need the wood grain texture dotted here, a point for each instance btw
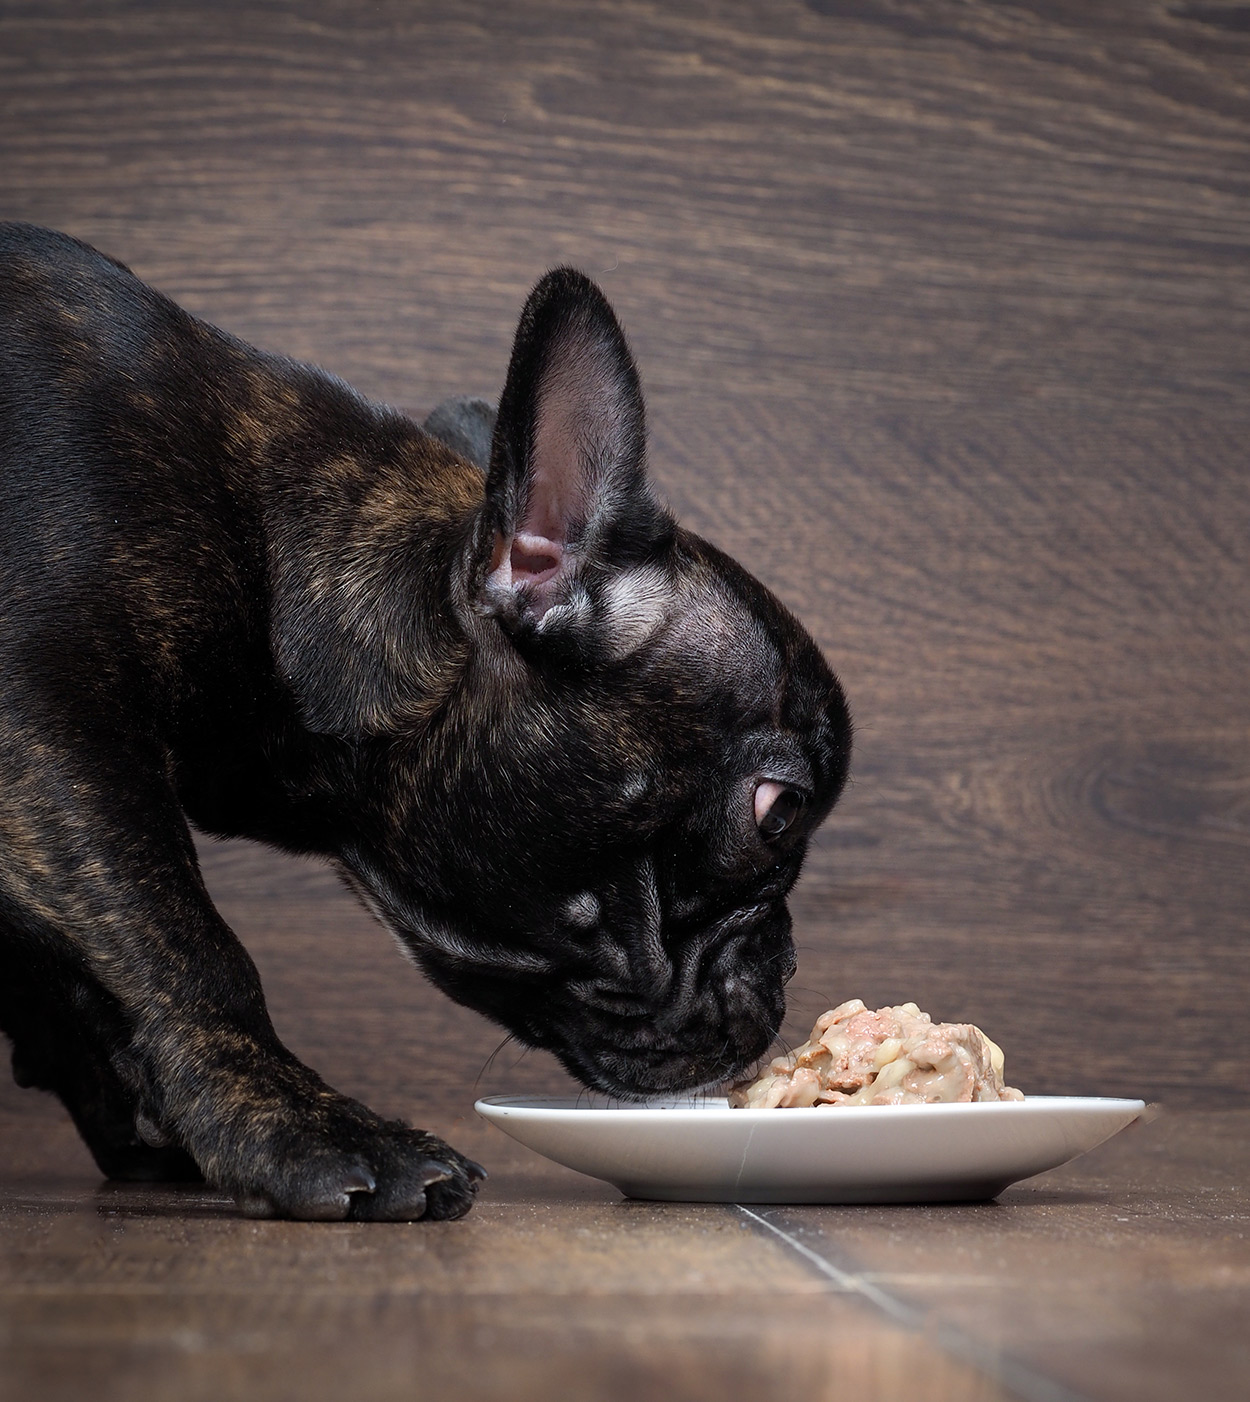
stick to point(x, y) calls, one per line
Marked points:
point(552, 1287)
point(943, 308)
point(1125, 1276)
point(919, 202)
point(1122, 1278)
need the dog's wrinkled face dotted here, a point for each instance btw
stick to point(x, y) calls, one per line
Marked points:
point(592, 839)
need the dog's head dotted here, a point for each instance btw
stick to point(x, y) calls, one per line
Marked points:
point(590, 833)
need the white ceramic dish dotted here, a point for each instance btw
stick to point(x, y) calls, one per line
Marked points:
point(705, 1152)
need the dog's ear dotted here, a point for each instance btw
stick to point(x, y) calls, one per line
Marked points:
point(567, 501)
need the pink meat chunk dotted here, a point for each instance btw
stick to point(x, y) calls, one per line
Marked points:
point(893, 1056)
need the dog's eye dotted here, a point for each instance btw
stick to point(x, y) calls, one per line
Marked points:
point(777, 807)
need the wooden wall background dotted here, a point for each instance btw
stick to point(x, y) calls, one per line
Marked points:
point(943, 307)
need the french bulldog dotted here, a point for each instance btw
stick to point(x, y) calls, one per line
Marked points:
point(569, 753)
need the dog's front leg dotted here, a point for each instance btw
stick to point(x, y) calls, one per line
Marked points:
point(98, 874)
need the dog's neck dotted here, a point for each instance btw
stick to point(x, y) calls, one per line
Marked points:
point(363, 542)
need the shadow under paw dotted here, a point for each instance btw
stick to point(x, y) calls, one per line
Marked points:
point(140, 1163)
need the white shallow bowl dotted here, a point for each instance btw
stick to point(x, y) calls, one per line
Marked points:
point(703, 1151)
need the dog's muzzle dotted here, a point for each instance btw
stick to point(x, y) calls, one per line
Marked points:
point(715, 1014)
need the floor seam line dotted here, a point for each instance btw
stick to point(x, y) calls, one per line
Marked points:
point(1009, 1373)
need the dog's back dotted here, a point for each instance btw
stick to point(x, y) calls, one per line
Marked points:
point(115, 505)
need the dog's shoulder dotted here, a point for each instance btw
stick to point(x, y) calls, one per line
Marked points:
point(44, 271)
point(33, 246)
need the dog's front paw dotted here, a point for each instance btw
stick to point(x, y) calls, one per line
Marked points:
point(378, 1171)
point(418, 1177)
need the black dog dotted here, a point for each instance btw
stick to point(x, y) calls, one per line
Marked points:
point(568, 752)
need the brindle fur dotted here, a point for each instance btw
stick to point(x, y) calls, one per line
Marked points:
point(238, 594)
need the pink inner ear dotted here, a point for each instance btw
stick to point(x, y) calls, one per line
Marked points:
point(575, 424)
point(534, 559)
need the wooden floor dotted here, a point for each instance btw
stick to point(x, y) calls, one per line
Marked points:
point(1125, 1278)
point(943, 310)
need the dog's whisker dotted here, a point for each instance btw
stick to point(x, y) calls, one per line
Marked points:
point(490, 1061)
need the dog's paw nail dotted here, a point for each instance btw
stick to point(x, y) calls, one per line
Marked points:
point(475, 1170)
point(360, 1180)
point(433, 1172)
